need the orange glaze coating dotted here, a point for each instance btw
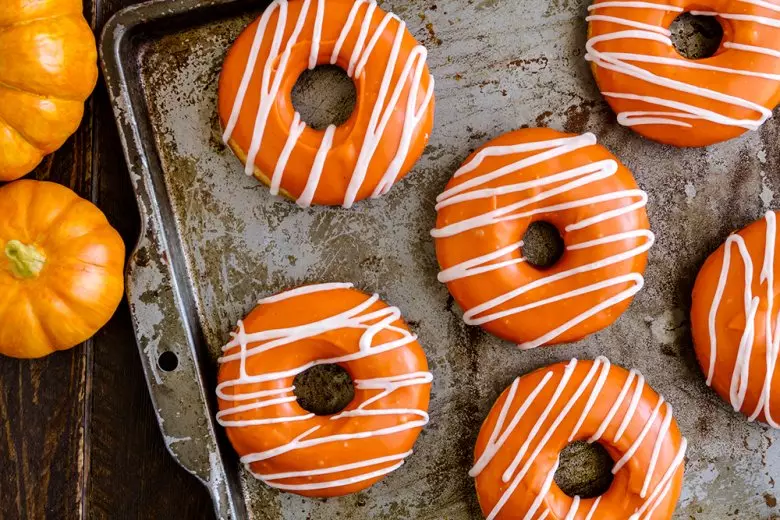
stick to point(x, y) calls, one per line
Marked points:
point(377, 145)
point(734, 320)
point(682, 101)
point(518, 447)
point(323, 456)
point(570, 182)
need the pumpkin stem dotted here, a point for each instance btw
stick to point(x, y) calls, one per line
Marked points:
point(26, 261)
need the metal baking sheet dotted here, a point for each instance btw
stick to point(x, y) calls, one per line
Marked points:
point(214, 241)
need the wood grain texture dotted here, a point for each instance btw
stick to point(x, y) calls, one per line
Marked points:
point(44, 403)
point(78, 436)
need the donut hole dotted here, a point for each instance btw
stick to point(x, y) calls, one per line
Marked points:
point(324, 96)
point(542, 244)
point(696, 36)
point(324, 389)
point(585, 470)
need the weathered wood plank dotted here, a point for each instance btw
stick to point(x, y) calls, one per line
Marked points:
point(44, 403)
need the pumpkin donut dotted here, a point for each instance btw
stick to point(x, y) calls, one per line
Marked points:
point(570, 182)
point(518, 448)
point(365, 156)
point(734, 320)
point(675, 100)
point(323, 456)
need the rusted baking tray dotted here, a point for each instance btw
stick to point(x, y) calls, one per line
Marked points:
point(214, 241)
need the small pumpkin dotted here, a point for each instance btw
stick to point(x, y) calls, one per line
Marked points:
point(61, 269)
point(48, 68)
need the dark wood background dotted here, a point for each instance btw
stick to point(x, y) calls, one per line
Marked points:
point(78, 437)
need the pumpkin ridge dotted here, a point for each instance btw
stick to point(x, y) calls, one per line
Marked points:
point(90, 231)
point(24, 136)
point(34, 93)
point(70, 303)
point(50, 339)
point(43, 236)
point(4, 304)
point(39, 19)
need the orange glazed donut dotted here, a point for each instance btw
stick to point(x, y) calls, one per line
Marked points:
point(387, 131)
point(518, 447)
point(734, 320)
point(675, 100)
point(572, 183)
point(323, 456)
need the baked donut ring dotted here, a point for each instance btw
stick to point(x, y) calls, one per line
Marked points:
point(365, 156)
point(734, 321)
point(570, 182)
point(323, 456)
point(675, 100)
point(518, 448)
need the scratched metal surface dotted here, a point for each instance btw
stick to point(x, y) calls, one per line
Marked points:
point(215, 241)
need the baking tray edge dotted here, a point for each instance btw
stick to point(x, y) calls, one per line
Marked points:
point(162, 306)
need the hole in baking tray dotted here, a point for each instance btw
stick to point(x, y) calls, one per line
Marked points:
point(324, 389)
point(168, 361)
point(696, 37)
point(324, 96)
point(542, 244)
point(585, 470)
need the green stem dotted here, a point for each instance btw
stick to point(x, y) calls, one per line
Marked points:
point(26, 261)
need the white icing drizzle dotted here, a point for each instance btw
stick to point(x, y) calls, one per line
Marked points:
point(317, 35)
point(593, 508)
point(637, 5)
point(740, 377)
point(575, 506)
point(663, 487)
point(752, 48)
point(657, 449)
point(563, 182)
point(623, 63)
point(502, 431)
point(762, 3)
point(306, 289)
point(356, 318)
point(391, 89)
point(640, 438)
point(397, 459)
point(761, 20)
point(316, 170)
point(507, 476)
point(640, 386)
point(591, 400)
point(296, 130)
point(542, 493)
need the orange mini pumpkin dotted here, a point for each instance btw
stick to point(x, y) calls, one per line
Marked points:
point(48, 68)
point(61, 269)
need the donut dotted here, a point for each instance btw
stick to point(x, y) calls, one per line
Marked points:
point(519, 445)
point(294, 450)
point(734, 321)
point(570, 182)
point(365, 156)
point(679, 101)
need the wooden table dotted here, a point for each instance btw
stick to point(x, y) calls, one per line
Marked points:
point(78, 437)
